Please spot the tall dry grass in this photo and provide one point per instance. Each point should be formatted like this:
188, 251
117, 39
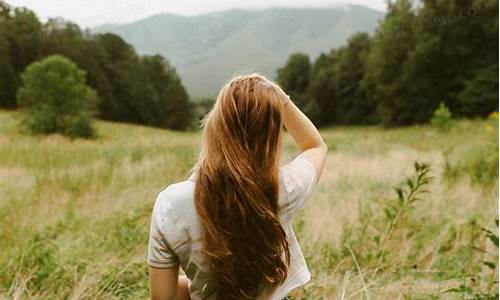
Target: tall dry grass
74, 214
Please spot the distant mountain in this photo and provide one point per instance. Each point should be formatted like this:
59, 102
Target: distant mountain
209, 49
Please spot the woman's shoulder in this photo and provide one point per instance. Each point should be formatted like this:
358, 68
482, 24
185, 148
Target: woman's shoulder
176, 200
297, 182
177, 190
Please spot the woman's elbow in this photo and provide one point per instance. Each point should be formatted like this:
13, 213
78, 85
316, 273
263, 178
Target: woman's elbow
323, 147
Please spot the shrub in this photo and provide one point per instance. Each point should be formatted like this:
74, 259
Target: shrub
56, 98
442, 117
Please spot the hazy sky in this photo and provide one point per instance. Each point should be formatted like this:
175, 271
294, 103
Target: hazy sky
96, 12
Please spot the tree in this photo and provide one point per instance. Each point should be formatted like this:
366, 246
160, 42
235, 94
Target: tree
120, 65
56, 98
144, 90
8, 77
19, 37
179, 110
67, 39
427, 54
422, 52
355, 104
294, 79
480, 96
131, 88
172, 108
335, 84
387, 70
322, 88
455, 40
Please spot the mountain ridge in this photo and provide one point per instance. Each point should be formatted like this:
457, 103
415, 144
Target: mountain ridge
208, 49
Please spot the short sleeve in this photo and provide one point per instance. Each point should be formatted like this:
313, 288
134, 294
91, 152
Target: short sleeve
160, 253
298, 182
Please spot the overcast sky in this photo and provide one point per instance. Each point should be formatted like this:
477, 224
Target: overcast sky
95, 12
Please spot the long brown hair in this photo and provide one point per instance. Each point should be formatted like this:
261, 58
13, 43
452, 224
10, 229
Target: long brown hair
236, 191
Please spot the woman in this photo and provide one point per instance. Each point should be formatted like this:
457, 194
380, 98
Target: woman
229, 224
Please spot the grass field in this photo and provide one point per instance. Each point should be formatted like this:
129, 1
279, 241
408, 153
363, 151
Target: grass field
74, 215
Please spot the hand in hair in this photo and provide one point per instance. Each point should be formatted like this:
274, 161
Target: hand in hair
284, 97
303, 132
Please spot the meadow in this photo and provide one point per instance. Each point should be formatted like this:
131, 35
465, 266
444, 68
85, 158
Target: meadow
74, 214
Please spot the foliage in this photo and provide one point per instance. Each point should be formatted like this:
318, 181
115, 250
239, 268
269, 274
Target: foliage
480, 164
74, 218
480, 95
8, 78
387, 68
144, 90
442, 117
19, 43
337, 84
201, 109
469, 289
294, 79
56, 98
385, 226
444, 50
477, 159
406, 199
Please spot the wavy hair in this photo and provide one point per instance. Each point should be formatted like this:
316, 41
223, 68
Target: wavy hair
236, 191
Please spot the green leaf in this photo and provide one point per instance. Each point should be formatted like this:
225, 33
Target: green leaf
461, 289
410, 183
489, 264
491, 236
400, 193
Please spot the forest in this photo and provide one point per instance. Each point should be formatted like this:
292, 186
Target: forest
419, 57
130, 87
441, 51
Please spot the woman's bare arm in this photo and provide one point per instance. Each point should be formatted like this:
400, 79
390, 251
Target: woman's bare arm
166, 284
305, 134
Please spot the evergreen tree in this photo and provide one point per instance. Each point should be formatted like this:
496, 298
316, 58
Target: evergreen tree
8, 77
294, 79
355, 104
387, 68
172, 109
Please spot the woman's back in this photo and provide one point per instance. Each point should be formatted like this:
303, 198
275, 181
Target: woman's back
176, 232
229, 226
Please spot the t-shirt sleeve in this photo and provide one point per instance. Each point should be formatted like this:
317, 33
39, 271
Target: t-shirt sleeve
160, 253
299, 180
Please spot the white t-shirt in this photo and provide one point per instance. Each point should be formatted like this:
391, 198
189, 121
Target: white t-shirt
175, 233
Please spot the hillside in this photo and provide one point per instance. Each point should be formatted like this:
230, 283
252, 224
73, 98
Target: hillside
208, 49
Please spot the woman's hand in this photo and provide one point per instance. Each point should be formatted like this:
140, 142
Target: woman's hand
303, 132
284, 97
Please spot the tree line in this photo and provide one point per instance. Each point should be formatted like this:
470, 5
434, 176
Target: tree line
129, 87
421, 54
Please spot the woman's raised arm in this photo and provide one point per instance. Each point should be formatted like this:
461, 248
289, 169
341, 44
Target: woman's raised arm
305, 134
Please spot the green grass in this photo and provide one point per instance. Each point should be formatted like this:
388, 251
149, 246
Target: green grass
74, 215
